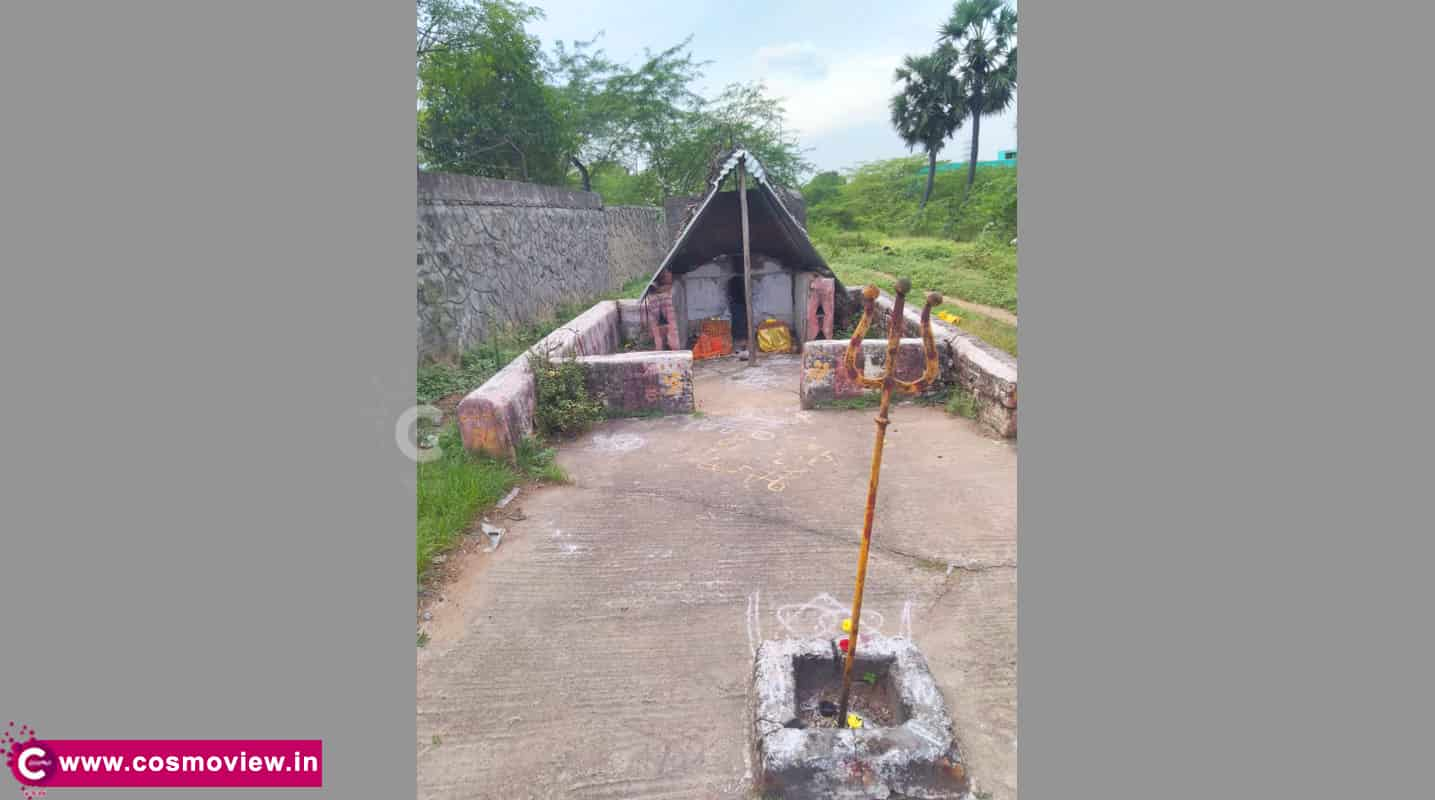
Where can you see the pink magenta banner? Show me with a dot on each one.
(167, 763)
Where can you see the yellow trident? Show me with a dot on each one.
(895, 325)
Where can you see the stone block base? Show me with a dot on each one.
(917, 758)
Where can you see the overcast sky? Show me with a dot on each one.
(831, 62)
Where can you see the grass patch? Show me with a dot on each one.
(864, 400)
(535, 462)
(982, 271)
(457, 486)
(642, 413)
(962, 403)
(632, 288)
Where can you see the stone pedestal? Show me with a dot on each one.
(915, 758)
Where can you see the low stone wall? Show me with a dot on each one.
(987, 373)
(825, 379)
(630, 318)
(494, 417)
(642, 382)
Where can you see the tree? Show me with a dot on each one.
(445, 24)
(743, 113)
(929, 108)
(823, 186)
(611, 107)
(484, 106)
(983, 36)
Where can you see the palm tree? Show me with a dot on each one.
(930, 107)
(983, 34)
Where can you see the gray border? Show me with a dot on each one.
(1221, 348)
(207, 324)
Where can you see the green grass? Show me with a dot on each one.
(458, 486)
(642, 413)
(983, 272)
(961, 403)
(632, 288)
(864, 400)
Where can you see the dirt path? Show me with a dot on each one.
(605, 650)
(999, 314)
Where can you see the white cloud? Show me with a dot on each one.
(800, 59)
(822, 93)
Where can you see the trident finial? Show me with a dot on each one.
(894, 341)
(895, 327)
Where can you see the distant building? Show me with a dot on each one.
(1005, 158)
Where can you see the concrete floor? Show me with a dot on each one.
(605, 650)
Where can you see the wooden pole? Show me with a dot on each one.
(887, 383)
(889, 369)
(746, 260)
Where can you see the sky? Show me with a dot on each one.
(831, 62)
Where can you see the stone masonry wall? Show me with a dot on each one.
(637, 242)
(493, 254)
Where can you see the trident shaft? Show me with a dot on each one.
(887, 383)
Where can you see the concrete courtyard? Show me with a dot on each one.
(605, 650)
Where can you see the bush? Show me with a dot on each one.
(930, 250)
(884, 196)
(564, 406)
(962, 403)
(436, 381)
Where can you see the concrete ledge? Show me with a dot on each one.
(989, 374)
(636, 383)
(494, 417)
(630, 320)
(917, 759)
(825, 380)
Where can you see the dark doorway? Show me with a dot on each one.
(737, 303)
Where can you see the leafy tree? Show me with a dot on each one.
(484, 106)
(612, 110)
(621, 186)
(929, 108)
(983, 35)
(823, 187)
(491, 104)
(445, 24)
(683, 151)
